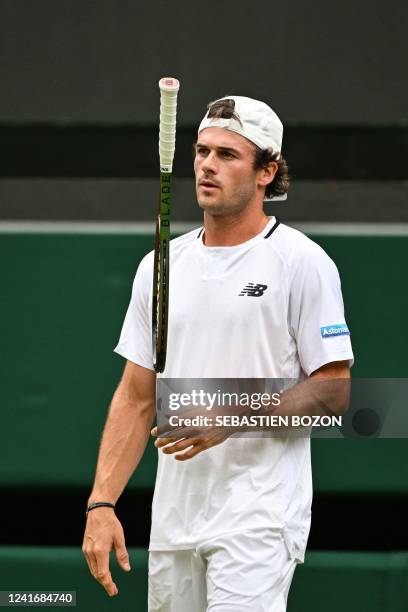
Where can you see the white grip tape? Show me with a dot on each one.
(168, 109)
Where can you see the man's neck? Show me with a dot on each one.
(233, 229)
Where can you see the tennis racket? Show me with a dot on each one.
(167, 141)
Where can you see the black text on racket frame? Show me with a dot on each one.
(161, 274)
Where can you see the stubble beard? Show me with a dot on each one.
(231, 205)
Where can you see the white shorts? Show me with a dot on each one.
(240, 572)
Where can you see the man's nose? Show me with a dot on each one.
(210, 163)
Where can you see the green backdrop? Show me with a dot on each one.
(63, 301)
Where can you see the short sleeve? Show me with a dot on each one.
(135, 342)
(316, 311)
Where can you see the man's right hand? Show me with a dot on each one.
(104, 533)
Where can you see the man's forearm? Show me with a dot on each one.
(314, 397)
(123, 443)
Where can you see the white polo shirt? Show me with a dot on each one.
(268, 308)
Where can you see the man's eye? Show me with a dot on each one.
(201, 151)
(227, 154)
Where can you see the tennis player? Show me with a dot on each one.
(249, 298)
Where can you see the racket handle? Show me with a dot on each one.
(167, 134)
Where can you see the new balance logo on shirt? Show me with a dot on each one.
(253, 290)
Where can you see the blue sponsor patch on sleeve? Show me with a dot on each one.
(334, 330)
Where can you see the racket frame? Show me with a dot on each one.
(161, 268)
(161, 275)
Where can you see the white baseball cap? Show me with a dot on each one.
(258, 123)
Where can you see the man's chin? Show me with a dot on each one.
(211, 208)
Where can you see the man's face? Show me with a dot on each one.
(225, 177)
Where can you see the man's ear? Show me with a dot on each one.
(267, 174)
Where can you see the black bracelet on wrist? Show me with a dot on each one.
(99, 505)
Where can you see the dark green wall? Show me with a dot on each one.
(64, 299)
(375, 582)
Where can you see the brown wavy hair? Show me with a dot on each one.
(281, 181)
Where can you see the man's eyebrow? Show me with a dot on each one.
(220, 148)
